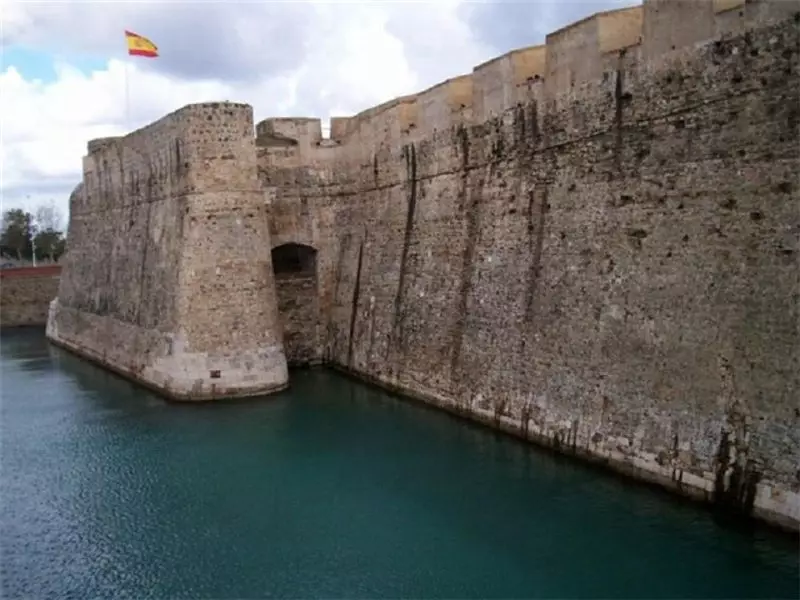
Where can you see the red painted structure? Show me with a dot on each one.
(43, 271)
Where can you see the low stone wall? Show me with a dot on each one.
(25, 294)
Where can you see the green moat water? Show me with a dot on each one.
(330, 490)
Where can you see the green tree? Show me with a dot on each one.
(49, 244)
(15, 236)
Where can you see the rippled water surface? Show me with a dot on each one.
(330, 490)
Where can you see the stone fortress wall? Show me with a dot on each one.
(590, 243)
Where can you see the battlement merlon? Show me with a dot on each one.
(575, 53)
(301, 131)
(495, 82)
(385, 121)
(98, 143)
(441, 106)
(339, 128)
(291, 142)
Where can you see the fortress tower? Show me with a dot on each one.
(168, 276)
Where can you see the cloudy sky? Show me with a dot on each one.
(64, 65)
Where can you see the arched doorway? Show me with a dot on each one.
(295, 268)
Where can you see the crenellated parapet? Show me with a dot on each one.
(572, 57)
(602, 54)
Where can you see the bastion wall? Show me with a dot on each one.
(166, 276)
(590, 243)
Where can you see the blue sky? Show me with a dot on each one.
(38, 62)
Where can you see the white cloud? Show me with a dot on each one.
(353, 56)
(284, 59)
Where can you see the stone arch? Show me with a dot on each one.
(294, 260)
(295, 268)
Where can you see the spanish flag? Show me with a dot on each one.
(140, 46)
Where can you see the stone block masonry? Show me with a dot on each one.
(26, 293)
(591, 244)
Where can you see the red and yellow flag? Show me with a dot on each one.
(140, 46)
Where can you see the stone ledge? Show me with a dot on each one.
(173, 376)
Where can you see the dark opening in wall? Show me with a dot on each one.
(294, 259)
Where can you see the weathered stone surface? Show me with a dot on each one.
(298, 306)
(598, 253)
(168, 277)
(26, 293)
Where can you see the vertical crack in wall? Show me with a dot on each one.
(179, 242)
(106, 238)
(472, 219)
(463, 144)
(371, 349)
(526, 119)
(174, 173)
(354, 309)
(116, 307)
(520, 135)
(143, 266)
(736, 475)
(618, 121)
(330, 342)
(536, 245)
(410, 154)
(534, 120)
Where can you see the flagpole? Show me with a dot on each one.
(136, 45)
(125, 76)
(127, 97)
